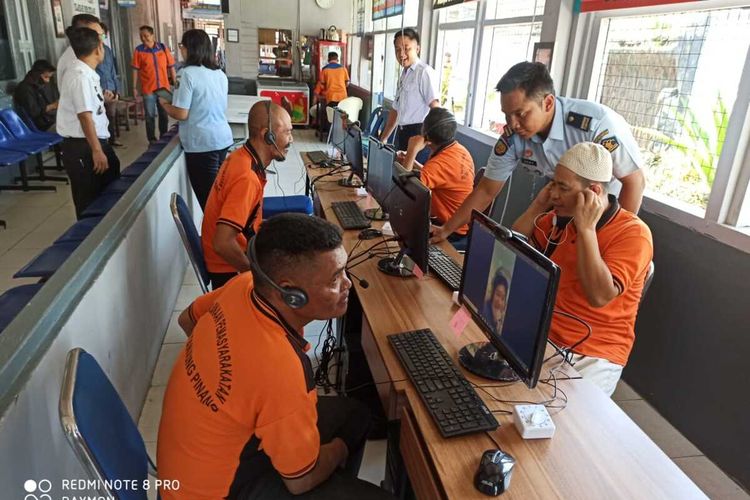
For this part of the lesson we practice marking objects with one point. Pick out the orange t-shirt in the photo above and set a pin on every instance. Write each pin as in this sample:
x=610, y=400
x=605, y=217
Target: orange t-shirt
x=236, y=199
x=627, y=248
x=332, y=83
x=450, y=176
x=243, y=381
x=152, y=65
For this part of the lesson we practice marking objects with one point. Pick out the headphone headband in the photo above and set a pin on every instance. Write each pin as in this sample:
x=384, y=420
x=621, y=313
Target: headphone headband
x=442, y=121
x=293, y=297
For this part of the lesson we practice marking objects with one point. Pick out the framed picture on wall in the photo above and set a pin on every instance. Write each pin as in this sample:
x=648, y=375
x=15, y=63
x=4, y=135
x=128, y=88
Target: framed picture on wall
x=543, y=53
x=233, y=35
x=57, y=15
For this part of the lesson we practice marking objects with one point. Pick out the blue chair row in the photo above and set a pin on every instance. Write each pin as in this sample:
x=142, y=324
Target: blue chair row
x=375, y=126
x=44, y=265
x=14, y=300
x=15, y=135
x=56, y=139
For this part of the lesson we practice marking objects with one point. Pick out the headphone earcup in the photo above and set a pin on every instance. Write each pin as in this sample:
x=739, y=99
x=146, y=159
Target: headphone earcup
x=294, y=297
x=269, y=138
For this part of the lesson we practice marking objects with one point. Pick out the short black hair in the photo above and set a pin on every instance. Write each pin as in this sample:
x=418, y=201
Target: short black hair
x=287, y=239
x=42, y=66
x=531, y=77
x=333, y=55
x=146, y=27
x=82, y=19
x=200, y=51
x=409, y=33
x=83, y=41
x=499, y=279
x=439, y=126
x=105, y=28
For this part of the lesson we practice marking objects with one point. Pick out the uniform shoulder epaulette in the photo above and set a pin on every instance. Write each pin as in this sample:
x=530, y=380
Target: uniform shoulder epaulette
x=578, y=121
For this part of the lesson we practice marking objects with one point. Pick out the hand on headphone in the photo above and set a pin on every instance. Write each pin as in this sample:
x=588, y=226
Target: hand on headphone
x=588, y=211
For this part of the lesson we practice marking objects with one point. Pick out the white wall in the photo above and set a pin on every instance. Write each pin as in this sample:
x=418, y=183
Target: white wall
x=249, y=15
x=121, y=321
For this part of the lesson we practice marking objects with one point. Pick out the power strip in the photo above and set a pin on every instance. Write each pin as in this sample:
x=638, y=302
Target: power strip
x=533, y=421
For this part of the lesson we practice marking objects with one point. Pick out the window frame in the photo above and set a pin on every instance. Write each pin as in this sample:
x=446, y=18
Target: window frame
x=732, y=179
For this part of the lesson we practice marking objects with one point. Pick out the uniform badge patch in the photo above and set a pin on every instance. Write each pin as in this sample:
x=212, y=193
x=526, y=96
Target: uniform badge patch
x=501, y=147
x=601, y=135
x=610, y=143
x=579, y=121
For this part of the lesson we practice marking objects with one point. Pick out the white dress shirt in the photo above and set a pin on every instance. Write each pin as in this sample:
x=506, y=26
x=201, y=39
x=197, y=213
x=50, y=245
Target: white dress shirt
x=81, y=92
x=64, y=63
x=417, y=88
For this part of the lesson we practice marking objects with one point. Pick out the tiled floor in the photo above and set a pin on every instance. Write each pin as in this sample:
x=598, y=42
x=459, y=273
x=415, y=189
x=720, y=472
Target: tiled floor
x=36, y=219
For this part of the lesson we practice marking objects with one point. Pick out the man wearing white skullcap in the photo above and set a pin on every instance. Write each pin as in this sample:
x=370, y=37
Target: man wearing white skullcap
x=604, y=253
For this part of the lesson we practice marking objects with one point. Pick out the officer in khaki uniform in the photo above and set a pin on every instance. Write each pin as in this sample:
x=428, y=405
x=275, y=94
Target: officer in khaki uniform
x=541, y=127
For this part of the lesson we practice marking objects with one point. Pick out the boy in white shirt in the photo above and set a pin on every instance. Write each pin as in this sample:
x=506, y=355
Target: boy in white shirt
x=90, y=162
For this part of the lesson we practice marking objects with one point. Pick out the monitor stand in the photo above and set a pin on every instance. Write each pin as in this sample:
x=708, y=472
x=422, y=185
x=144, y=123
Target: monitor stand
x=376, y=214
x=481, y=358
x=394, y=266
x=350, y=182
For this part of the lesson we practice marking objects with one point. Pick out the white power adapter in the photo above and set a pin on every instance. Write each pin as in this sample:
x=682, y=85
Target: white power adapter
x=533, y=421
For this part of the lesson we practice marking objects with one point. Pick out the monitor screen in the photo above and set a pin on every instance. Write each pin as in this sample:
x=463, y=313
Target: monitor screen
x=338, y=130
x=353, y=150
x=409, y=209
x=509, y=289
x=380, y=171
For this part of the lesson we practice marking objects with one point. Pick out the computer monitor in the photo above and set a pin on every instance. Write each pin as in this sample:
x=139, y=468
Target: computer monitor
x=338, y=130
x=380, y=173
x=509, y=289
x=353, y=153
x=409, y=209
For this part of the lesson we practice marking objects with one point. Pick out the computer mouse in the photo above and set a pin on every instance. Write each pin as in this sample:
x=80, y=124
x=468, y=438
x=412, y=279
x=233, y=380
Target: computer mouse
x=494, y=472
x=370, y=233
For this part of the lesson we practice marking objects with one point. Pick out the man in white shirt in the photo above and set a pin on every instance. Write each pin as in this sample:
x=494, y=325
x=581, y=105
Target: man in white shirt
x=90, y=162
x=68, y=57
x=417, y=92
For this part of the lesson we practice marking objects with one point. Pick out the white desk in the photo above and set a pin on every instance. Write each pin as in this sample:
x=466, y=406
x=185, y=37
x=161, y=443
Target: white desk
x=238, y=106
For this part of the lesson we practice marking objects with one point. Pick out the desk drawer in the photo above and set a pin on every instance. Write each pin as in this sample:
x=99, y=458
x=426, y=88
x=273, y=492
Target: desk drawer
x=418, y=465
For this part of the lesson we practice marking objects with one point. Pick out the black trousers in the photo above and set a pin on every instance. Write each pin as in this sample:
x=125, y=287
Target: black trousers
x=340, y=417
x=202, y=169
x=85, y=184
x=406, y=132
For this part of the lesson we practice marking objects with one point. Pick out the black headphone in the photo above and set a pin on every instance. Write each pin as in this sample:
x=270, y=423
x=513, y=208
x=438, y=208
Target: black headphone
x=293, y=297
x=269, y=137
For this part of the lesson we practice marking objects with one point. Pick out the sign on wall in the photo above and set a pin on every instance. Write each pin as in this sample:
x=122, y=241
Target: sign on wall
x=386, y=8
x=57, y=15
x=86, y=7
x=439, y=4
x=594, y=5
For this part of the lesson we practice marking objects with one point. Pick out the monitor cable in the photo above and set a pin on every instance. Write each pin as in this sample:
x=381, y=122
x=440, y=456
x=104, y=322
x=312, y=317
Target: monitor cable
x=568, y=352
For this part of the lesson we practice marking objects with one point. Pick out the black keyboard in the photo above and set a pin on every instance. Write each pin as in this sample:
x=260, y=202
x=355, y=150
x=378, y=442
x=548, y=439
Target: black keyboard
x=349, y=214
x=445, y=268
x=451, y=400
x=318, y=157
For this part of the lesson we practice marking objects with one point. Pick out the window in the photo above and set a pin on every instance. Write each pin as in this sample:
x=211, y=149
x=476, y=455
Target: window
x=502, y=46
x=453, y=62
x=7, y=70
x=508, y=9
x=355, y=44
x=674, y=78
x=378, y=69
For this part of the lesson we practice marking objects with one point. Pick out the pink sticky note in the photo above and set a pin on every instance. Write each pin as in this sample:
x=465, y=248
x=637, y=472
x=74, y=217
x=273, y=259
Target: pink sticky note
x=417, y=271
x=460, y=320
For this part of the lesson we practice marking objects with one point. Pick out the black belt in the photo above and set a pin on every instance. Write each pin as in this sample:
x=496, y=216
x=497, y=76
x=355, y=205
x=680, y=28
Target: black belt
x=411, y=125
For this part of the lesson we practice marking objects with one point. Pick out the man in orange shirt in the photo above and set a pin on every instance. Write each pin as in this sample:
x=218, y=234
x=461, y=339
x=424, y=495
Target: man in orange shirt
x=449, y=172
x=333, y=81
x=153, y=66
x=241, y=416
x=604, y=253
x=234, y=209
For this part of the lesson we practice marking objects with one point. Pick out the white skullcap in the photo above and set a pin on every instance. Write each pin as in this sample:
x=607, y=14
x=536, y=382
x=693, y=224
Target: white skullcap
x=589, y=160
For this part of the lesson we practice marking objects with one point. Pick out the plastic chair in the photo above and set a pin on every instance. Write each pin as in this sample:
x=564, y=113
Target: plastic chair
x=273, y=205
x=8, y=158
x=14, y=300
x=100, y=430
x=78, y=231
x=30, y=147
x=190, y=238
x=45, y=264
x=135, y=169
x=351, y=106
x=120, y=185
x=375, y=126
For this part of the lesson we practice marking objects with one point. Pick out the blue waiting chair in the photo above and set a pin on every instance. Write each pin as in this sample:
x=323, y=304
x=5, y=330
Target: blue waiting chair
x=375, y=126
x=9, y=157
x=14, y=300
x=21, y=132
x=190, y=238
x=78, y=231
x=273, y=205
x=101, y=205
x=120, y=185
x=45, y=264
x=135, y=169
x=30, y=147
x=101, y=431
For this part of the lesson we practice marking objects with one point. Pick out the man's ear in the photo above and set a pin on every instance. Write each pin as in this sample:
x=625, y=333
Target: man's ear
x=548, y=102
x=596, y=188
